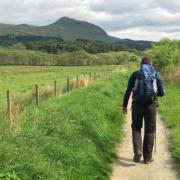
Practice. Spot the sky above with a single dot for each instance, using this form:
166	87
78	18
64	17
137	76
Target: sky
132	19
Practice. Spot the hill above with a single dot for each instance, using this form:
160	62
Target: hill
70	30
65	28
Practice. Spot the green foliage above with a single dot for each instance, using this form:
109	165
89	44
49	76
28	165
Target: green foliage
165	54
19	46
56	45
73	137
79	58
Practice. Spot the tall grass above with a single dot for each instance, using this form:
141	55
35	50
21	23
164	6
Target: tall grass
170	111
73	137
173	75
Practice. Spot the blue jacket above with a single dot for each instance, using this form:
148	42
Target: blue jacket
131	84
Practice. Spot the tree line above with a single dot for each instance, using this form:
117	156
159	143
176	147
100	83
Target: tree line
56	45
79	58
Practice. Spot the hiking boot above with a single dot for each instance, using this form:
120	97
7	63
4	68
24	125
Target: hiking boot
148	160
137	157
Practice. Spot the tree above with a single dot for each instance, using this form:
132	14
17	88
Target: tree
19	46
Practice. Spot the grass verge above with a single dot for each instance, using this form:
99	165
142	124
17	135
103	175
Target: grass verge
170	111
73	137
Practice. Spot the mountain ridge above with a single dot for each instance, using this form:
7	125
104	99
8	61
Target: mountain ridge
69	29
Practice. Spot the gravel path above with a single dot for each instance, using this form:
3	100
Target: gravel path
162	168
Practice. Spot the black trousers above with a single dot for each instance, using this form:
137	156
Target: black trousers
148	113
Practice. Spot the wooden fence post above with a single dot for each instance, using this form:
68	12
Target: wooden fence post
68	87
9	115
37	95
55	88
90	77
77	81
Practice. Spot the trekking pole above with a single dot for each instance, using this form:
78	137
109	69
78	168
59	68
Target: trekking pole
155	134
155	142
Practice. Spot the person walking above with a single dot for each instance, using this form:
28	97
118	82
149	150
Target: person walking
145	86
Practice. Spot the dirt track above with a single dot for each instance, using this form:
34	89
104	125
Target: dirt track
161	169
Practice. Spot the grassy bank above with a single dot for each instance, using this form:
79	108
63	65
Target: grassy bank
73	137
170	111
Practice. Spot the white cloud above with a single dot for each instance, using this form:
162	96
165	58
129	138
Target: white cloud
136	19
121	6
139	34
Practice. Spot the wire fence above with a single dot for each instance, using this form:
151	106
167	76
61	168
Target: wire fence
15	105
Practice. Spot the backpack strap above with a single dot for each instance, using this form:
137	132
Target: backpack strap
155	86
136	81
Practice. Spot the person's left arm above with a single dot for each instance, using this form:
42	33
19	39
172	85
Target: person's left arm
130	86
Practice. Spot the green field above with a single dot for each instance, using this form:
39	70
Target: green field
72	137
22	79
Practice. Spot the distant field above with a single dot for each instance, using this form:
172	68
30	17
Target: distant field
21	80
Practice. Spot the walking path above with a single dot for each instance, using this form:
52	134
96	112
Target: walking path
162	168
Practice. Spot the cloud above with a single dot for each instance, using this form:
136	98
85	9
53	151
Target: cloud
137	19
131	6
152	18
144	34
121	6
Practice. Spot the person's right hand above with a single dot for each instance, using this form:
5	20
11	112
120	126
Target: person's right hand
124	110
